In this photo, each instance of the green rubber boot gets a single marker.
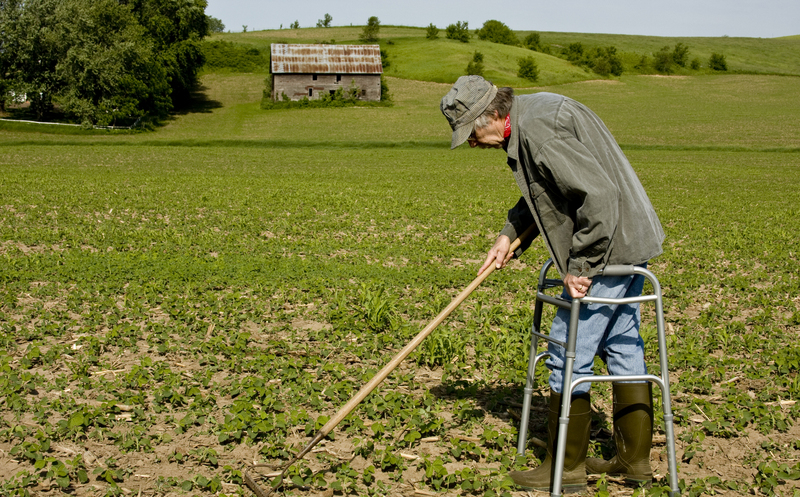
(633, 434)
(574, 478)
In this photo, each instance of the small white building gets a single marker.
(309, 71)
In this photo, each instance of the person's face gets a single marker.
(489, 137)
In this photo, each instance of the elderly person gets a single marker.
(583, 197)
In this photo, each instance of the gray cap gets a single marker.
(464, 103)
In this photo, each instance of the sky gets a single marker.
(735, 18)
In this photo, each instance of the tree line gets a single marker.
(102, 62)
(604, 61)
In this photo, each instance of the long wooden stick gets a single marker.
(383, 373)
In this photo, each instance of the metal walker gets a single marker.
(570, 384)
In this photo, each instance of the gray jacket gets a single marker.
(578, 187)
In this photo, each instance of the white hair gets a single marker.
(482, 121)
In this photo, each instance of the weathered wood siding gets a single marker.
(299, 86)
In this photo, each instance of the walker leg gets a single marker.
(566, 399)
(526, 399)
(522, 438)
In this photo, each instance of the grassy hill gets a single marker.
(412, 56)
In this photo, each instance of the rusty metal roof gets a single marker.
(325, 59)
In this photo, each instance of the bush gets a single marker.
(234, 57)
(717, 62)
(695, 65)
(573, 52)
(432, 32)
(528, 68)
(533, 42)
(458, 31)
(605, 61)
(385, 59)
(680, 55)
(662, 60)
(370, 32)
(497, 32)
(385, 95)
(475, 67)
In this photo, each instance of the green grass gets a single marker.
(761, 55)
(442, 60)
(232, 277)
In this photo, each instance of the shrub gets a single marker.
(475, 67)
(267, 93)
(432, 32)
(497, 32)
(662, 60)
(234, 57)
(458, 31)
(385, 59)
(605, 61)
(695, 65)
(385, 95)
(573, 52)
(680, 55)
(370, 32)
(528, 68)
(717, 62)
(533, 42)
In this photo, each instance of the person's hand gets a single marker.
(577, 286)
(499, 255)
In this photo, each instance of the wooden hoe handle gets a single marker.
(388, 368)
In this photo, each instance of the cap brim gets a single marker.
(461, 134)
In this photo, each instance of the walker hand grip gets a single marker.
(618, 270)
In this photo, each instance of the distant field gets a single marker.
(414, 57)
(177, 302)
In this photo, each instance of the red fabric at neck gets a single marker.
(507, 132)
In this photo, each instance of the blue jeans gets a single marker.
(608, 331)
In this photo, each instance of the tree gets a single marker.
(176, 28)
(574, 52)
(475, 66)
(28, 58)
(432, 32)
(326, 22)
(680, 55)
(497, 32)
(662, 60)
(108, 68)
(528, 68)
(533, 42)
(717, 62)
(215, 25)
(294, 25)
(695, 65)
(102, 60)
(458, 31)
(371, 30)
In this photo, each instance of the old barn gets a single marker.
(310, 71)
